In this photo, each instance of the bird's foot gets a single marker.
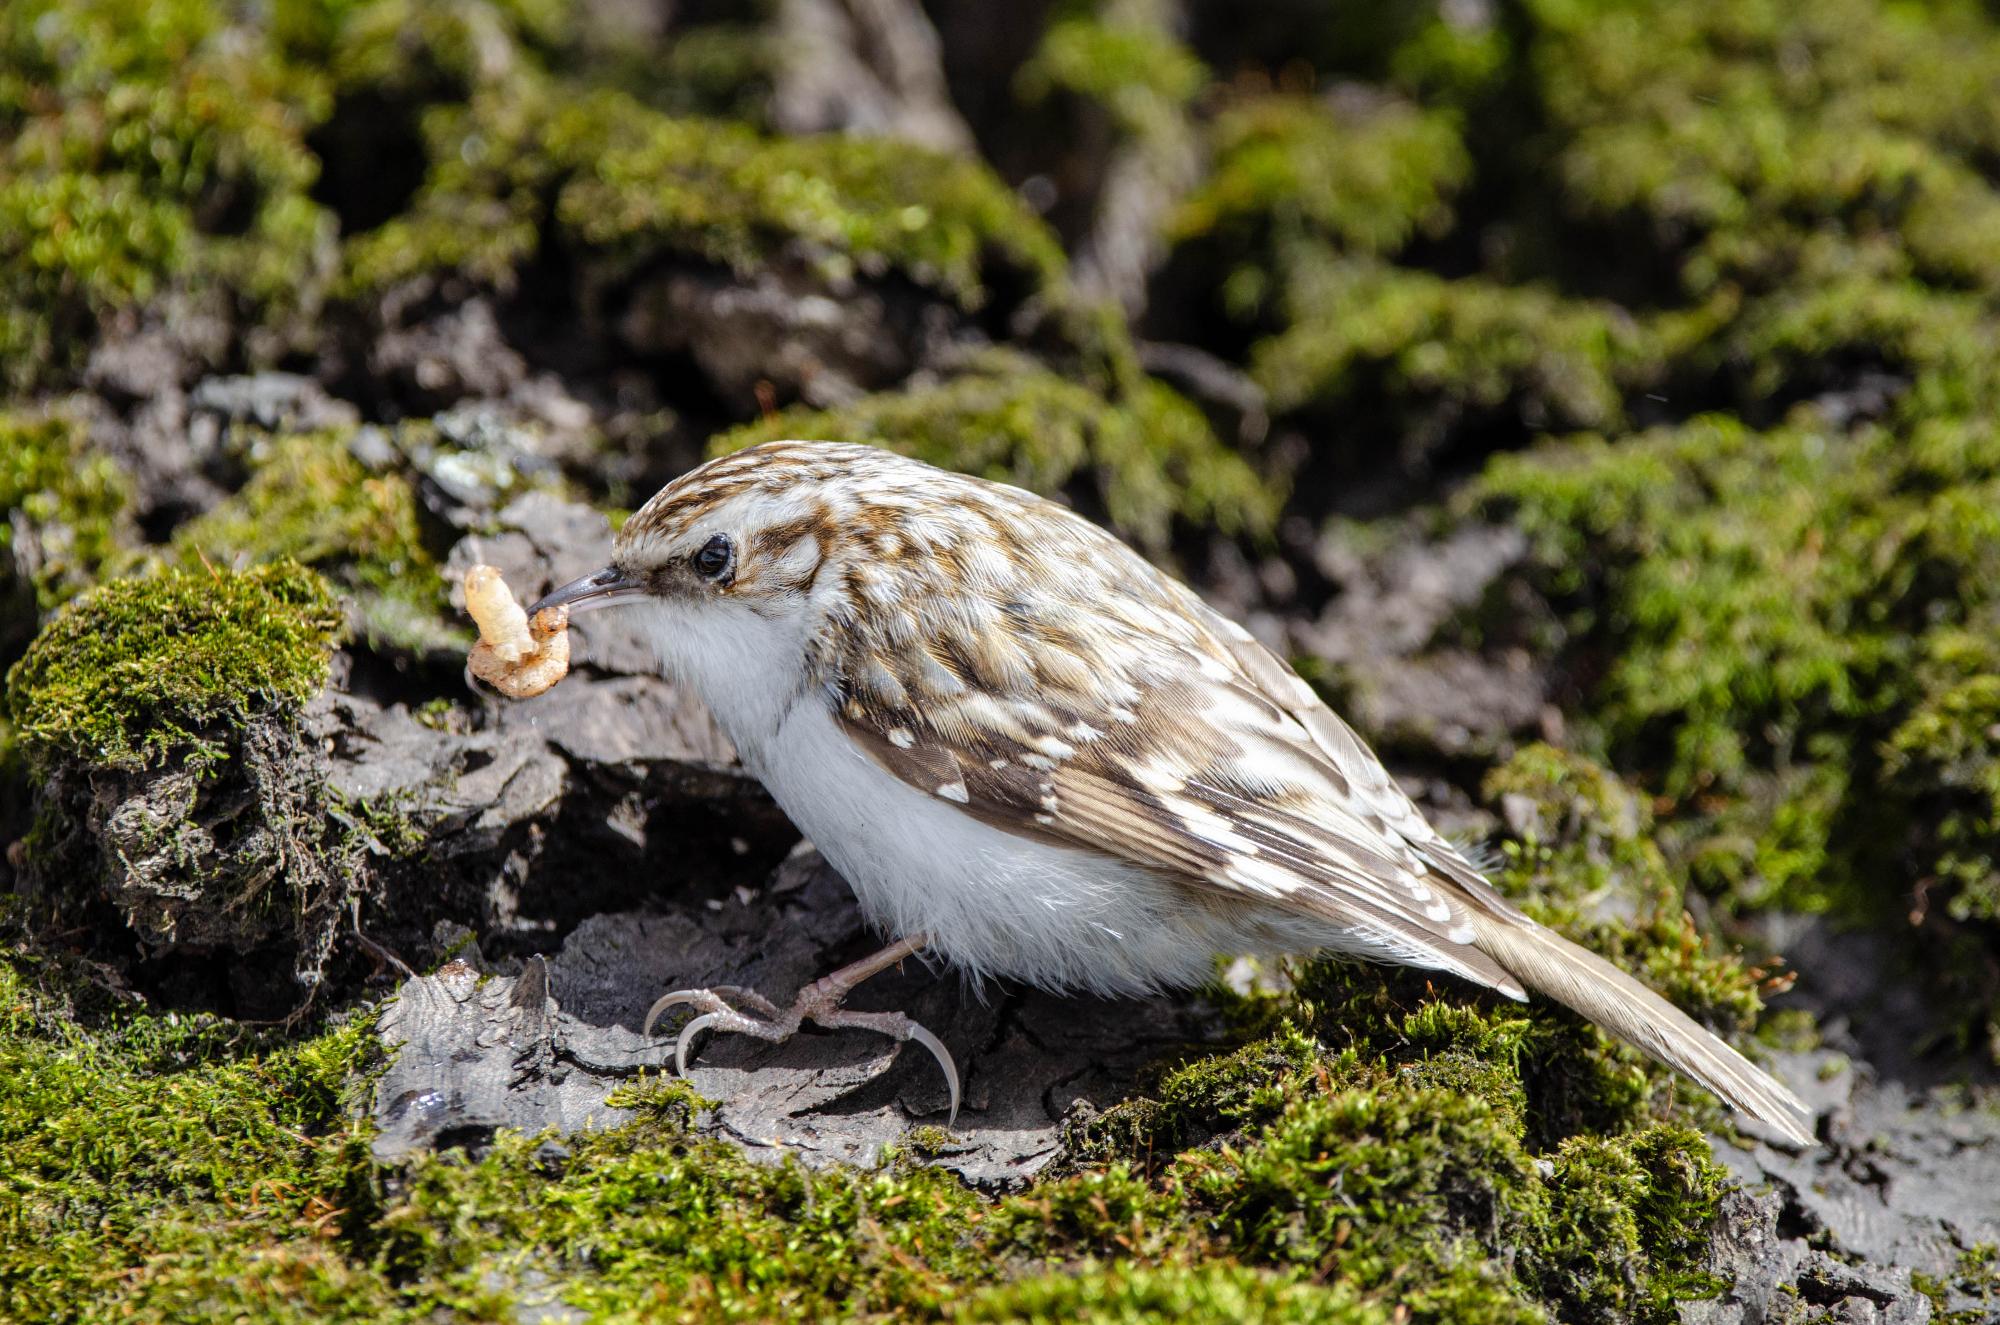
(722, 1009)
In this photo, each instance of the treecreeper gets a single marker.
(1035, 756)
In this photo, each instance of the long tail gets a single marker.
(1587, 984)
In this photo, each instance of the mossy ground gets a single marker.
(154, 149)
(178, 794)
(178, 148)
(1739, 250)
(163, 1168)
(1798, 623)
(628, 182)
(1377, 1150)
(1141, 74)
(1976, 1275)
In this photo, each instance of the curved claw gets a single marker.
(665, 1001)
(745, 996)
(939, 1052)
(688, 1032)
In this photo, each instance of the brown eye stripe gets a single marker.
(779, 538)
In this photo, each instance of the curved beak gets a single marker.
(598, 589)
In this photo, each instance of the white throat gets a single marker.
(748, 669)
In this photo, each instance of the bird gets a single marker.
(1035, 756)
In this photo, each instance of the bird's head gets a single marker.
(736, 568)
(881, 580)
(746, 533)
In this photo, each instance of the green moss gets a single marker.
(623, 181)
(639, 1217)
(137, 669)
(152, 145)
(60, 508)
(1794, 630)
(1449, 1097)
(1689, 115)
(1737, 624)
(1142, 75)
(1439, 355)
(1417, 1199)
(182, 150)
(1647, 1198)
(309, 500)
(1131, 1295)
(1457, 1155)
(175, 786)
(713, 69)
(1413, 1157)
(1974, 1283)
(1760, 226)
(423, 49)
(1195, 1102)
(1111, 1213)
(1824, 212)
(1387, 1174)
(1772, 844)
(1759, 588)
(161, 1168)
(1589, 863)
(1367, 176)
(1407, 1193)
(1386, 1189)
(1146, 454)
(1944, 761)
(389, 827)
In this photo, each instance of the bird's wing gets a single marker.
(1164, 735)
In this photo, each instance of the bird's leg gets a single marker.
(819, 1002)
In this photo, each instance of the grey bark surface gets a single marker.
(1387, 633)
(611, 788)
(1905, 1180)
(546, 1045)
(1778, 1280)
(785, 328)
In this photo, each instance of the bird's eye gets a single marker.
(714, 557)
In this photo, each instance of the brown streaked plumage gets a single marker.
(1036, 753)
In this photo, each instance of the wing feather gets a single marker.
(1344, 751)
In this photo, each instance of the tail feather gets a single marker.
(1587, 984)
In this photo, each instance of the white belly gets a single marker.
(994, 903)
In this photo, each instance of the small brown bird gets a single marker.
(1035, 756)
